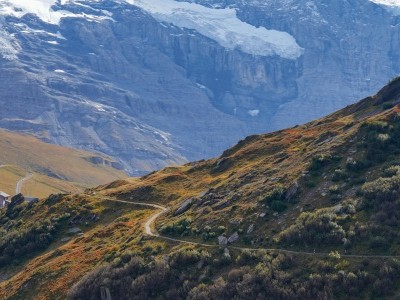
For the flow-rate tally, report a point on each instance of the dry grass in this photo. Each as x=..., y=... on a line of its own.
x=56, y=169
x=51, y=274
x=67, y=164
x=9, y=175
x=41, y=186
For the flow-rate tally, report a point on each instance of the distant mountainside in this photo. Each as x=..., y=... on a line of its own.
x=155, y=83
x=54, y=169
x=309, y=212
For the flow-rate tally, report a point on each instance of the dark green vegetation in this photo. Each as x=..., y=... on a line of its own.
x=195, y=273
x=22, y=239
x=328, y=191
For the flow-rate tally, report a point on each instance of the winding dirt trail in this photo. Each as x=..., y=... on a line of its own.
x=18, y=187
x=162, y=210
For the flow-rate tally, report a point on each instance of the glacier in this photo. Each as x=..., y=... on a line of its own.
x=220, y=25
x=224, y=27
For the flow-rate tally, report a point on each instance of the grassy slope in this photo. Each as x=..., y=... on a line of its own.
x=66, y=261
x=244, y=175
x=55, y=169
x=230, y=191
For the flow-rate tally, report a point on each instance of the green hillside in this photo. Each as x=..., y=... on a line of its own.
x=310, y=212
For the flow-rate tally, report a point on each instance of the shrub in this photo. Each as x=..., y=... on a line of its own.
x=378, y=242
x=383, y=138
x=178, y=227
x=319, y=161
x=221, y=229
x=19, y=244
x=278, y=206
x=277, y=193
x=338, y=175
x=311, y=184
x=391, y=171
x=275, y=198
x=318, y=227
x=334, y=190
x=375, y=126
x=357, y=166
x=388, y=105
x=334, y=255
x=382, y=189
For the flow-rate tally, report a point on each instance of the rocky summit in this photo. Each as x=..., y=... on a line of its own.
x=154, y=83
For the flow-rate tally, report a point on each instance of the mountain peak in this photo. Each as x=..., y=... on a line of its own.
x=393, y=6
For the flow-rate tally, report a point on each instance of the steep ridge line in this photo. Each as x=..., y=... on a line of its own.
x=18, y=187
x=153, y=218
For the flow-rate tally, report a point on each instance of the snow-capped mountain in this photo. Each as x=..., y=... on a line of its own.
x=393, y=6
x=160, y=81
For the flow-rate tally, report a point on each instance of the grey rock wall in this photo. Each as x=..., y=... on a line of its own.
x=151, y=94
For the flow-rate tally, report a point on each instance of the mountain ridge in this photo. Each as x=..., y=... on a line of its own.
x=330, y=186
x=136, y=88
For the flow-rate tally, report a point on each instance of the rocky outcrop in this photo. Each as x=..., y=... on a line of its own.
x=185, y=205
x=222, y=240
x=233, y=238
x=105, y=293
x=292, y=191
x=250, y=229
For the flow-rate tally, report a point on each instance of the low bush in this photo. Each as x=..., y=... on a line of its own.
x=276, y=198
x=314, y=228
x=278, y=206
x=381, y=189
x=338, y=175
x=178, y=227
x=319, y=161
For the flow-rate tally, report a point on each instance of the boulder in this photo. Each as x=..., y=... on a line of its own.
x=233, y=238
x=250, y=229
x=222, y=240
x=105, y=293
x=74, y=230
x=227, y=254
x=202, y=194
x=222, y=165
x=184, y=206
x=292, y=191
x=236, y=197
x=200, y=264
x=236, y=222
x=221, y=205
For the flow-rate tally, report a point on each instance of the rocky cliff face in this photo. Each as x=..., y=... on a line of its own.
x=349, y=51
x=123, y=79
